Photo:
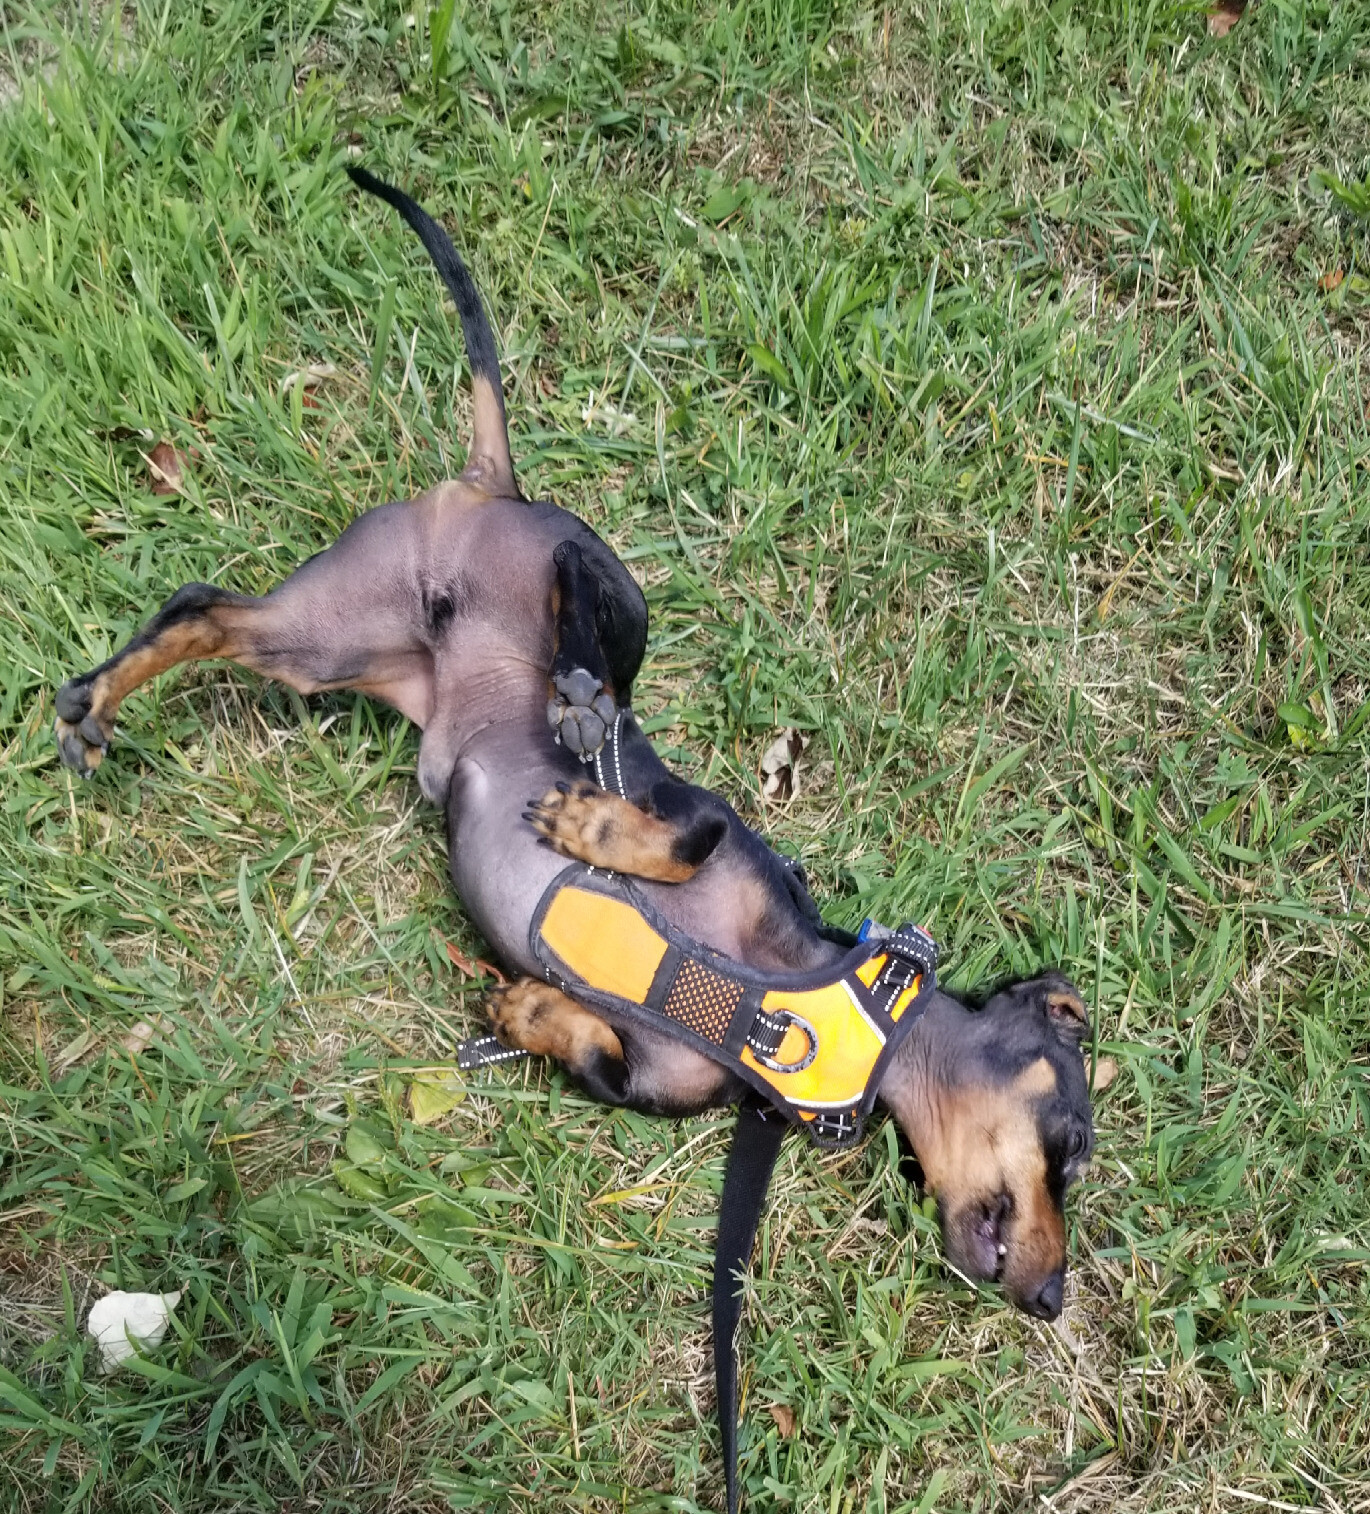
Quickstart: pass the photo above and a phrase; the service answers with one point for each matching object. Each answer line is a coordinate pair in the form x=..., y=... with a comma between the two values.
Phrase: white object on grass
x=118, y=1316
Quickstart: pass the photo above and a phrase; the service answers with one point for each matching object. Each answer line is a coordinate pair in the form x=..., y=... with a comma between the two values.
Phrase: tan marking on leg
x=191, y=640
x=597, y=827
x=205, y=634
x=535, y=1017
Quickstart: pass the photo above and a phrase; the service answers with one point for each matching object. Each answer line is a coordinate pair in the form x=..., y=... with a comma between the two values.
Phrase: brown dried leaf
x=1330, y=281
x=1224, y=16
x=780, y=766
x=473, y=967
x=166, y=467
x=1103, y=1073
x=784, y=1419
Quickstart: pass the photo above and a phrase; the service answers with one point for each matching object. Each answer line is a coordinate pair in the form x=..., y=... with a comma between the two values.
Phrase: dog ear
x=1066, y=1010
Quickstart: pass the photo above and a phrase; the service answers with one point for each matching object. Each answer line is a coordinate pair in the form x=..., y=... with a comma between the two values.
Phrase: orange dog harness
x=815, y=1045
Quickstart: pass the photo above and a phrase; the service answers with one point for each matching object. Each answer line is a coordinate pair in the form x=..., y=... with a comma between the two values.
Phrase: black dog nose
x=1047, y=1303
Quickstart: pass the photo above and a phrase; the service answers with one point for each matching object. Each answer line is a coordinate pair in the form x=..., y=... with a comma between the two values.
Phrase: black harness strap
x=756, y=1144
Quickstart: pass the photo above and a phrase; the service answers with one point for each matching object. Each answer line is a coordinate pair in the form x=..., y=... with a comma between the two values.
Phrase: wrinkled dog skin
x=485, y=618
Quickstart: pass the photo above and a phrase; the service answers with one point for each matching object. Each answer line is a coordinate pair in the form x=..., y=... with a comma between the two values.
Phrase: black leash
x=756, y=1144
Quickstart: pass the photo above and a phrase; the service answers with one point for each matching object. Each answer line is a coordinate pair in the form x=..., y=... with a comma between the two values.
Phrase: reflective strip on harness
x=815, y=1044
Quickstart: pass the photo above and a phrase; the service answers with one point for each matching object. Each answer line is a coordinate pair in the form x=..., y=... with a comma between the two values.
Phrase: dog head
x=996, y=1104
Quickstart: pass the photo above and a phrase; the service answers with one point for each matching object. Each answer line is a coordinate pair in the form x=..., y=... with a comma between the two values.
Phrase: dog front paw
x=568, y=817
x=580, y=712
x=528, y=1015
x=82, y=740
x=589, y=824
x=513, y=1014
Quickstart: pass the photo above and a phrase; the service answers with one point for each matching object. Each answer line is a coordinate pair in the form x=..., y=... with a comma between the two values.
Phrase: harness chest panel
x=814, y=1044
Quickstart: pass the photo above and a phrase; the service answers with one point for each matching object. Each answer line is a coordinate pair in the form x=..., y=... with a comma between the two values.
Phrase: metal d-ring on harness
x=812, y=1046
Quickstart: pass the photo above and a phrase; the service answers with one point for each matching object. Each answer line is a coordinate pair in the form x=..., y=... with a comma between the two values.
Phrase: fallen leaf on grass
x=784, y=1419
x=311, y=375
x=1103, y=1073
x=139, y=1038
x=73, y=1052
x=308, y=379
x=616, y=422
x=1224, y=16
x=780, y=766
x=167, y=469
x=1330, y=281
x=473, y=967
x=118, y=1316
x=433, y=1095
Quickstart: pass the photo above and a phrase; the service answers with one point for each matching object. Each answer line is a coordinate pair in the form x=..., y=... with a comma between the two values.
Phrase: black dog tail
x=488, y=464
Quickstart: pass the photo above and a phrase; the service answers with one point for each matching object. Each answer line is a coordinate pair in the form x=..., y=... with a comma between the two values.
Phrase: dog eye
x=1078, y=1142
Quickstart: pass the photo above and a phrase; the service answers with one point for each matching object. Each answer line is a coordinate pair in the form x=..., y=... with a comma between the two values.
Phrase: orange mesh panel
x=703, y=1001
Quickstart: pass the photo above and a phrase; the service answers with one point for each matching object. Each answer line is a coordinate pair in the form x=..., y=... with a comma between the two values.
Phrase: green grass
x=994, y=419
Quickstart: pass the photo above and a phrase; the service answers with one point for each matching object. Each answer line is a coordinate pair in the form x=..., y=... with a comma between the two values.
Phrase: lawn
x=979, y=388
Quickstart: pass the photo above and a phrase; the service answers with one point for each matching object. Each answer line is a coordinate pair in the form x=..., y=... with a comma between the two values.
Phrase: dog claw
x=549, y=815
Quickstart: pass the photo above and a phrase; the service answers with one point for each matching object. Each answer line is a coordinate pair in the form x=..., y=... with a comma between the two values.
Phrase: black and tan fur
x=483, y=617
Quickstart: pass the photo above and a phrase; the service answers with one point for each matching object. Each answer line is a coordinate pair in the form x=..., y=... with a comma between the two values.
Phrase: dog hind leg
x=582, y=700
x=347, y=618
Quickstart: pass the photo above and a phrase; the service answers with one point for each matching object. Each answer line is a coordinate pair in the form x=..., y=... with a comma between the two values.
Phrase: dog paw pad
x=581, y=712
x=81, y=740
